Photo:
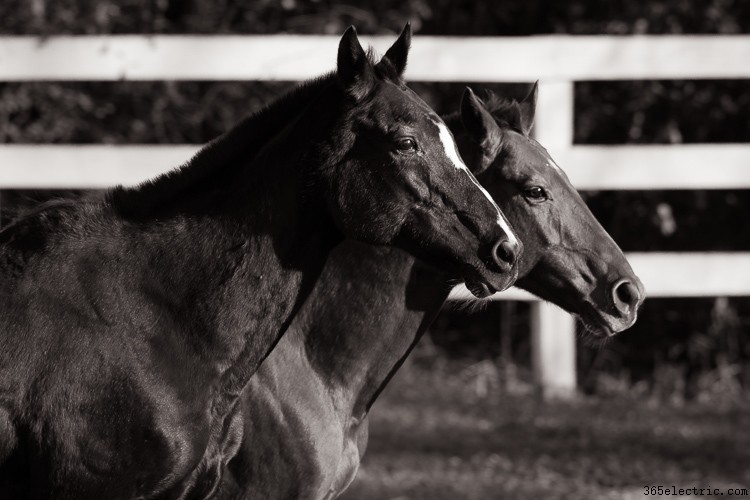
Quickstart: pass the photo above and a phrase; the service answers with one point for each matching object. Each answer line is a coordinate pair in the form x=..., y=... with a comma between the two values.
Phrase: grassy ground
x=430, y=438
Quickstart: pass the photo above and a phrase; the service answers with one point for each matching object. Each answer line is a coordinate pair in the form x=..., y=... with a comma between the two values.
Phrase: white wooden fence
x=556, y=61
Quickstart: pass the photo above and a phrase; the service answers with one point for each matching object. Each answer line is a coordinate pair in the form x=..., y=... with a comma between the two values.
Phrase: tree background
x=686, y=348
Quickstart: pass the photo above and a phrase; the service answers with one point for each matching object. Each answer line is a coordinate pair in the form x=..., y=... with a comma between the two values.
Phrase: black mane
x=216, y=159
x=506, y=112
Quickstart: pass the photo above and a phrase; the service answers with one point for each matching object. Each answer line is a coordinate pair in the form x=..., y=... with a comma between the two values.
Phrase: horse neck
x=367, y=311
x=260, y=175
x=224, y=166
x=253, y=245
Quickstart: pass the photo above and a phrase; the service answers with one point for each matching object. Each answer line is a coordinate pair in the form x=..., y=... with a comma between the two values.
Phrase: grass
x=432, y=438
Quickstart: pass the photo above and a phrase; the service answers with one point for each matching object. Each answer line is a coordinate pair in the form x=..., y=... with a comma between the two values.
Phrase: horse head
x=399, y=179
x=569, y=258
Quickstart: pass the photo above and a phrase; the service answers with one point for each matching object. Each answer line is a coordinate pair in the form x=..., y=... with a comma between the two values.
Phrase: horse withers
x=129, y=326
x=307, y=406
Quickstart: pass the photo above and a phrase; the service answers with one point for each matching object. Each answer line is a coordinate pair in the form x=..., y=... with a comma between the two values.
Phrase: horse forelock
x=502, y=108
x=384, y=68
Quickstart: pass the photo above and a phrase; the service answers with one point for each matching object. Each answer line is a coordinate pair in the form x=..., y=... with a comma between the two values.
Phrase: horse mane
x=246, y=138
x=215, y=159
x=505, y=111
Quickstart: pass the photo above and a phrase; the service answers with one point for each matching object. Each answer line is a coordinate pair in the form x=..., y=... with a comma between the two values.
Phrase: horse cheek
x=352, y=209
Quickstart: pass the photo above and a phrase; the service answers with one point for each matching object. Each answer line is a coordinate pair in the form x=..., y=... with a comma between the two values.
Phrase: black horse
x=129, y=326
x=307, y=405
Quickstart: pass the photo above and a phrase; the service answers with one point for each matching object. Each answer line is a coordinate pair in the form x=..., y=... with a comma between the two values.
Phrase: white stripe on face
x=451, y=151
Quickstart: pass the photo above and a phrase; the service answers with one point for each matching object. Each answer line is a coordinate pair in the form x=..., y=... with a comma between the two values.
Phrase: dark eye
x=406, y=144
x=536, y=193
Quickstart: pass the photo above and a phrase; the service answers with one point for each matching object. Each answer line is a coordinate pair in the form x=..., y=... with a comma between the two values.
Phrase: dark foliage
x=445, y=17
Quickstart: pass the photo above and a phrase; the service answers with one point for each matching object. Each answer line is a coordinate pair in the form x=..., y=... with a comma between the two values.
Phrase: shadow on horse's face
x=402, y=181
x=569, y=258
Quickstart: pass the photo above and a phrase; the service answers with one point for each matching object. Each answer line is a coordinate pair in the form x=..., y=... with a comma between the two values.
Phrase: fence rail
x=688, y=166
x=556, y=61
x=297, y=57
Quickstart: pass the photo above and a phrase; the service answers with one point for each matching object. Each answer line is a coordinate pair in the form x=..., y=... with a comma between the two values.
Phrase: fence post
x=553, y=338
x=553, y=350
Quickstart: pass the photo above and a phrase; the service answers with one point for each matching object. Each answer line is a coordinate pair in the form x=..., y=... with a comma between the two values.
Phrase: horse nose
x=626, y=297
x=505, y=253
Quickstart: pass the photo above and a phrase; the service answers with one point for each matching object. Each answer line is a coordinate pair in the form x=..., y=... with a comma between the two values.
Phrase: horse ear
x=482, y=129
x=399, y=51
x=476, y=119
x=354, y=67
x=528, y=108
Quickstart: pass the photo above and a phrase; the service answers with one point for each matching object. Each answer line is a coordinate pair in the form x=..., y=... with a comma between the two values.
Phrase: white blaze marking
x=451, y=151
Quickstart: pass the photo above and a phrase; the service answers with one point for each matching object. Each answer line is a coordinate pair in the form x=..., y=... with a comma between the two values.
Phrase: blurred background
x=664, y=403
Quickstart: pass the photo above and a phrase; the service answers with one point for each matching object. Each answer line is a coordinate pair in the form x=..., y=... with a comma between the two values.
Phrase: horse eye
x=406, y=144
x=536, y=193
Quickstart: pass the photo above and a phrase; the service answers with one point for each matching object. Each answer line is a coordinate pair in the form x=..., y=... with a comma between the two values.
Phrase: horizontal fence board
x=690, y=166
x=86, y=166
x=672, y=274
x=672, y=166
x=665, y=274
x=297, y=57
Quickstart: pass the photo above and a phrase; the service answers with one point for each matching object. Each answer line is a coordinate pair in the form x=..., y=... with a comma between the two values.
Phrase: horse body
x=314, y=402
x=64, y=388
x=129, y=391
x=129, y=326
x=352, y=334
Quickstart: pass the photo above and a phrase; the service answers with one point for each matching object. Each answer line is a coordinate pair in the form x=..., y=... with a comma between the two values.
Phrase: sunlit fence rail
x=556, y=61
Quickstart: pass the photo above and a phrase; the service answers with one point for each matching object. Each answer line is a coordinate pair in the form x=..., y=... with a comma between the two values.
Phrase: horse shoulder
x=292, y=439
x=106, y=393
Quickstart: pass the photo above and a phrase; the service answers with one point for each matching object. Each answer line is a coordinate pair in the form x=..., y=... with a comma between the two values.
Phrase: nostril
x=504, y=252
x=625, y=296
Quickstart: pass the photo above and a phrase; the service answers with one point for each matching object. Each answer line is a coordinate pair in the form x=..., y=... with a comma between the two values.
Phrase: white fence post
x=553, y=350
x=553, y=336
x=553, y=126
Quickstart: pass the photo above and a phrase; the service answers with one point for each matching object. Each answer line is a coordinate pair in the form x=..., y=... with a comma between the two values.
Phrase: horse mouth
x=599, y=326
x=596, y=330
x=480, y=289
x=483, y=283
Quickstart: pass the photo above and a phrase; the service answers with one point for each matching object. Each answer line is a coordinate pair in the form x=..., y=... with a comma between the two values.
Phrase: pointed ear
x=399, y=51
x=477, y=121
x=482, y=129
x=528, y=108
x=354, y=67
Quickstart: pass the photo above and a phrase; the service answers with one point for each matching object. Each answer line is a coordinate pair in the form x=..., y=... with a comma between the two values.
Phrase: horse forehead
x=387, y=111
x=419, y=105
x=405, y=104
x=543, y=157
